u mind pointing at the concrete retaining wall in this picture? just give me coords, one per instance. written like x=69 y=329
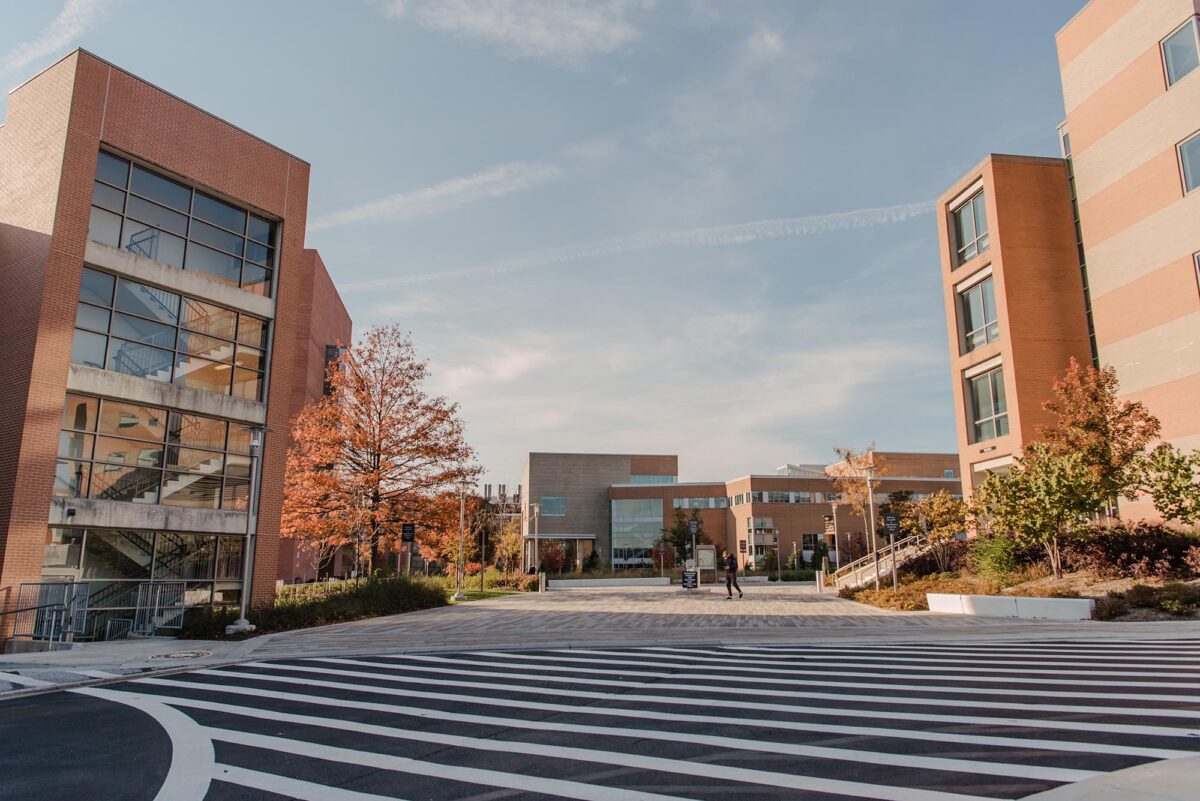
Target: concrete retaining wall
x=1011 y=606
x=564 y=584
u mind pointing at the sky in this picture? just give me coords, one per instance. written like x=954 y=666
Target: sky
x=647 y=226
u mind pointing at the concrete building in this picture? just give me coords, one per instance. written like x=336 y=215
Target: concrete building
x=618 y=505
x=158 y=303
x=1123 y=196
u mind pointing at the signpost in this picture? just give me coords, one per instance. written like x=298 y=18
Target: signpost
x=691 y=579
x=891 y=527
x=408 y=534
x=694 y=529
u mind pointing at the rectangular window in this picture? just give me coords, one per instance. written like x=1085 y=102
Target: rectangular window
x=553 y=506
x=1189 y=159
x=989 y=409
x=803 y=497
x=971 y=228
x=809 y=541
x=977 y=306
x=777 y=497
x=148 y=332
x=636 y=529
x=1180 y=55
x=948 y=473
x=143 y=454
x=139 y=210
x=648 y=479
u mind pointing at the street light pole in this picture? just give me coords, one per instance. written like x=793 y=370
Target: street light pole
x=242 y=625
x=871 y=504
x=537 y=553
x=462 y=540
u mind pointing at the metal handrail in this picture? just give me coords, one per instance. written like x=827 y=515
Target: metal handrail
x=879 y=553
x=32 y=608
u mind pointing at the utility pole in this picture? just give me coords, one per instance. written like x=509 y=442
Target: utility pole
x=257 y=434
x=462 y=539
x=537 y=554
x=871 y=504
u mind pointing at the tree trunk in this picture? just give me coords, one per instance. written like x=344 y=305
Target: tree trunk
x=1055 y=556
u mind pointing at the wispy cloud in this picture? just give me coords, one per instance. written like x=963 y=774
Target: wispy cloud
x=717 y=236
x=502 y=179
x=74 y=18
x=557 y=31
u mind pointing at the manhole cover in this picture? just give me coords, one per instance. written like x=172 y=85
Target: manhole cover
x=183 y=655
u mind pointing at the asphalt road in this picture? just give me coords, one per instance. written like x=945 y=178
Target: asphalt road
x=916 y=722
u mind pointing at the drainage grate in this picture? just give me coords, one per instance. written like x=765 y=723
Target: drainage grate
x=183 y=655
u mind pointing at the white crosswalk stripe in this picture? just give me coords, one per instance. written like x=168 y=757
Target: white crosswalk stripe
x=982 y=721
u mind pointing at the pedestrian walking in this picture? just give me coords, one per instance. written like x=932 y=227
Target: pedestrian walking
x=730 y=575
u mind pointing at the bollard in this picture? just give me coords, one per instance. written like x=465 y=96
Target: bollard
x=541 y=582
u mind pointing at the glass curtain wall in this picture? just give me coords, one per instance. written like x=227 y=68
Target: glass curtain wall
x=636 y=527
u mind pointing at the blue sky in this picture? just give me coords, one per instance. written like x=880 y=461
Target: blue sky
x=623 y=225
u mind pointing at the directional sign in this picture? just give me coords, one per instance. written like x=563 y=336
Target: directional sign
x=690 y=578
x=891 y=524
x=693 y=527
x=829 y=524
x=742 y=546
x=408 y=532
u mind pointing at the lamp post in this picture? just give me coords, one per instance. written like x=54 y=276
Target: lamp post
x=257 y=435
x=462 y=541
x=871 y=504
x=537 y=554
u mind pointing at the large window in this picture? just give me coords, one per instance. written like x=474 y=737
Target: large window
x=700 y=503
x=1180 y=54
x=138 y=210
x=989 y=410
x=649 y=479
x=636 y=528
x=1189 y=159
x=143 y=454
x=978 y=308
x=140 y=330
x=971 y=228
x=553 y=506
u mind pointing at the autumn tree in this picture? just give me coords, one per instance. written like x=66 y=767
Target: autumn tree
x=373 y=453
x=944 y=518
x=901 y=504
x=853 y=475
x=553 y=556
x=1043 y=499
x=1109 y=435
x=509 y=544
x=679 y=535
x=1172 y=477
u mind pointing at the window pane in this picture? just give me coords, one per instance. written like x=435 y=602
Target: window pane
x=219 y=213
x=142 y=240
x=106 y=197
x=161 y=190
x=964 y=225
x=91 y=317
x=250 y=358
x=196 y=431
x=195 y=461
x=156 y=215
x=1179 y=52
x=237 y=465
x=71 y=479
x=224 y=268
x=206 y=318
x=80 y=413
x=128 y=420
x=257 y=280
x=75 y=446
x=64 y=547
x=981 y=402
x=217 y=238
x=113 y=170
x=196 y=373
x=252 y=331
x=999 y=404
x=973 y=309
x=980 y=211
x=147 y=301
x=247 y=384
x=261 y=231
x=117 y=555
x=143 y=361
x=989 y=301
x=192 y=489
x=96 y=287
x=229 y=558
x=239 y=441
x=135 y=328
x=217 y=350
x=1189 y=153
x=88 y=349
x=104 y=227
x=258 y=253
x=128 y=451
x=123 y=483
x=185 y=556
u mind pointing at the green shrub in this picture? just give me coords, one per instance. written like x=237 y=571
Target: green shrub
x=1110 y=607
x=1178 y=599
x=994 y=557
x=1142 y=596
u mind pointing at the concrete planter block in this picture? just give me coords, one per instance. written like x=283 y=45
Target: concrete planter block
x=1011 y=606
x=562 y=584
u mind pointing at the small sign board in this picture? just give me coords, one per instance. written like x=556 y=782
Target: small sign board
x=693 y=527
x=408 y=532
x=708 y=557
x=891 y=524
x=829 y=524
x=742 y=546
x=690 y=579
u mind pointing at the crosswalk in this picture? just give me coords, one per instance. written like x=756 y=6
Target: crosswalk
x=915 y=722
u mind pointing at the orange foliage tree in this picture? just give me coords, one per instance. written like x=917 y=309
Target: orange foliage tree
x=375 y=452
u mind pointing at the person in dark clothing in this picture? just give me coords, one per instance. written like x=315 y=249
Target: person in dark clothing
x=730 y=574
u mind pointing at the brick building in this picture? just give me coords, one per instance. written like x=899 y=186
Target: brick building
x=158 y=303
x=617 y=505
x=1123 y=198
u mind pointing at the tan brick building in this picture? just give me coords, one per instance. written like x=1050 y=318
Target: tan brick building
x=618 y=504
x=158 y=301
x=1124 y=197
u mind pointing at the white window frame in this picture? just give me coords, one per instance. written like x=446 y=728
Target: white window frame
x=1183 y=172
x=960 y=248
x=970 y=399
x=1162 y=50
x=977 y=281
